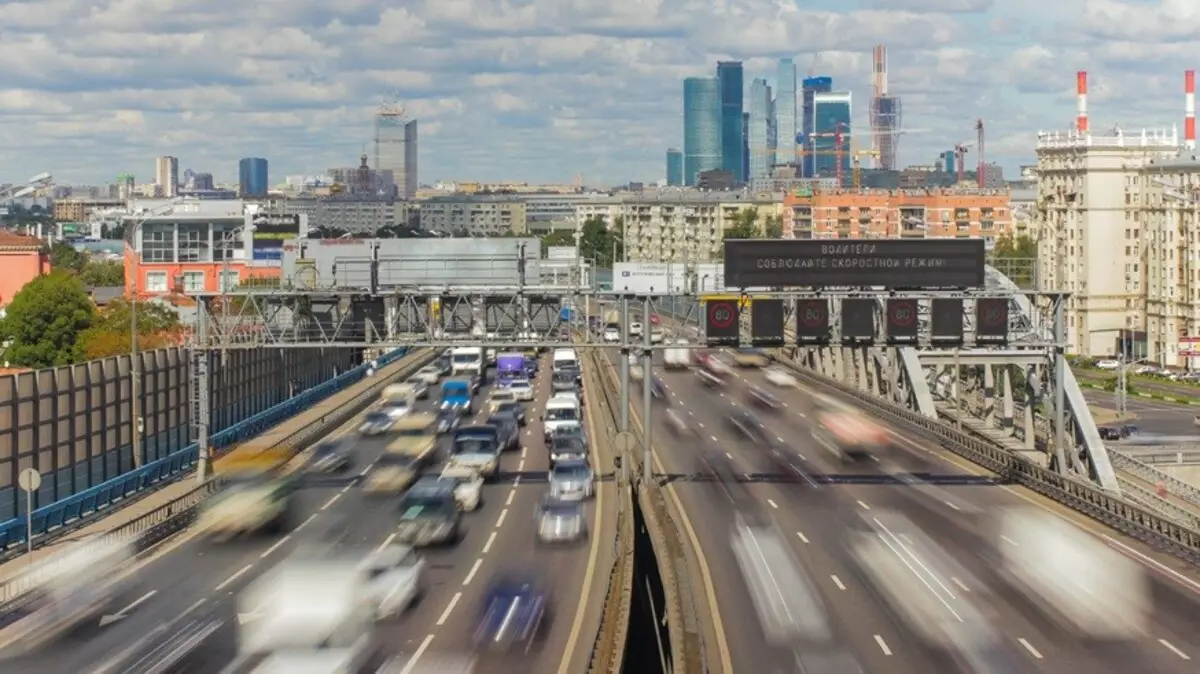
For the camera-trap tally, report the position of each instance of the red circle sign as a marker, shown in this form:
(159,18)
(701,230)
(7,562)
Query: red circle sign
(903,313)
(814,314)
(721,314)
(993,314)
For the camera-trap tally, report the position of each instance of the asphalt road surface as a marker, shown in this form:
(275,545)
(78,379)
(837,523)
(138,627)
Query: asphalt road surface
(949,506)
(192,579)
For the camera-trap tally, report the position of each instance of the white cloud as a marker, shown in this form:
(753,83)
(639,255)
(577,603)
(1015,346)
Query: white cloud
(543,89)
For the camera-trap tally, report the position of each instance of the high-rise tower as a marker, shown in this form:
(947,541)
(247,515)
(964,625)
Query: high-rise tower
(396,148)
(885,114)
(785,112)
(732,84)
(811,87)
(702,127)
(758,136)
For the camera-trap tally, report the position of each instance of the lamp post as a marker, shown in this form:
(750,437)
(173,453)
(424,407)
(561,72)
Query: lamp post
(134,371)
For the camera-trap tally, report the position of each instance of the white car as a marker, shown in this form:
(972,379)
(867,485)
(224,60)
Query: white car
(635,329)
(429,374)
(468,486)
(1108,364)
(521,389)
(612,335)
(777,376)
(656,336)
(394,578)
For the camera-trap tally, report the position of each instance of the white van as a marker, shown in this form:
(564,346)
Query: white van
(564,358)
(561,412)
(467,360)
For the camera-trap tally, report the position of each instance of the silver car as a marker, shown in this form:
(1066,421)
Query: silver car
(561,521)
(571,481)
(377,423)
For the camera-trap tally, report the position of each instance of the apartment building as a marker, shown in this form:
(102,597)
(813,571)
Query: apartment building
(685,225)
(80,210)
(1107,231)
(356,214)
(475,215)
(908,213)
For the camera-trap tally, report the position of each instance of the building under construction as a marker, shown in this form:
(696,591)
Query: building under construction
(396,148)
(885,114)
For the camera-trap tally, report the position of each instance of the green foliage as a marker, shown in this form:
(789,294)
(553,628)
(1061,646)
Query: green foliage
(44,321)
(103,273)
(64,257)
(109,335)
(559,237)
(745,225)
(774,227)
(599,242)
(1016,258)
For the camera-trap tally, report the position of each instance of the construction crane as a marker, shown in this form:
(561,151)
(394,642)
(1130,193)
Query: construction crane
(960,158)
(857,163)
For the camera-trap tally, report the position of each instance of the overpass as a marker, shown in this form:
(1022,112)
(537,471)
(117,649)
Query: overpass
(659,554)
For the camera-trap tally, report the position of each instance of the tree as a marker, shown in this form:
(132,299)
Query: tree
(559,237)
(774,227)
(1016,258)
(45,319)
(597,242)
(102,273)
(745,225)
(66,258)
(109,334)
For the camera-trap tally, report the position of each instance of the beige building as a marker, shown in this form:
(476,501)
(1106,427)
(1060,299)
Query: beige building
(1108,234)
(475,215)
(686,225)
(80,210)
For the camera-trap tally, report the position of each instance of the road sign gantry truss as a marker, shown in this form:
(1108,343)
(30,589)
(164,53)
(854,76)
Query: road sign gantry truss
(547,316)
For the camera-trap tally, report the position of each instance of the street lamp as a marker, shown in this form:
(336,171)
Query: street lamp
(134,373)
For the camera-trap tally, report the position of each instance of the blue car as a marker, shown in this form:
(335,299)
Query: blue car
(512,612)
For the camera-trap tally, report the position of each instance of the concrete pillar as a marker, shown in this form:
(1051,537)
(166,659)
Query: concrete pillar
(1006,401)
(860,361)
(1030,428)
(989,396)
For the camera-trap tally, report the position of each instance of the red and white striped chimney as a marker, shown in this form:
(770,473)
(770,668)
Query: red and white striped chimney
(1081,115)
(1189,109)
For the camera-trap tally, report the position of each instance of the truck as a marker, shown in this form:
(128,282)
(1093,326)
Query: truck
(457,394)
(467,360)
(510,366)
(414,436)
(677,357)
(308,615)
(845,432)
(258,496)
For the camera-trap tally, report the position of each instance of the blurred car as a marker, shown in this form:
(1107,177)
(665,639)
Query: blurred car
(763,399)
(331,457)
(376,423)
(397,407)
(572,480)
(512,612)
(750,358)
(515,409)
(709,380)
(781,377)
(419,386)
(448,421)
(467,485)
(611,335)
(567,448)
(428,516)
(561,521)
(521,389)
(714,365)
(749,427)
(572,429)
(430,374)
(391,474)
(507,430)
(500,396)
(676,423)
(393,579)
(658,389)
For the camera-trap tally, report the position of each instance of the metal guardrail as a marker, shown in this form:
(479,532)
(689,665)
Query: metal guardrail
(1152,475)
(68,514)
(1149,499)
(608,649)
(154,526)
(1154,530)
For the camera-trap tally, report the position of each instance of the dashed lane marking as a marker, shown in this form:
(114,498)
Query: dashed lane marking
(882,645)
(386,542)
(474,570)
(952,506)
(331,501)
(278,544)
(773,504)
(511,495)
(838,581)
(411,666)
(1171,647)
(232,579)
(802,537)
(500,520)
(961,585)
(1008,540)
(864,505)
(491,539)
(449,609)
(1029,647)
(367,469)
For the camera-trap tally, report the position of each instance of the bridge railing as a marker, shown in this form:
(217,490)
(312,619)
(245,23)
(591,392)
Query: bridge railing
(62,516)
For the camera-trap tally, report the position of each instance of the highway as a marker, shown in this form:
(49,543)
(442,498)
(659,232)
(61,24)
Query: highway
(190,578)
(816,516)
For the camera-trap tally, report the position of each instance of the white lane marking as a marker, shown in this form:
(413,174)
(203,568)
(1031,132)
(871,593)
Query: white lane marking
(701,425)
(727,454)
(1008,540)
(273,548)
(1029,647)
(1153,563)
(838,581)
(331,501)
(874,458)
(500,520)
(411,666)
(137,602)
(474,570)
(864,505)
(521,465)
(511,495)
(882,645)
(802,536)
(691,413)
(523,451)
(307,521)
(491,539)
(952,506)
(714,439)
(386,542)
(230,580)
(961,585)
(367,469)
(345,489)
(1171,647)
(773,504)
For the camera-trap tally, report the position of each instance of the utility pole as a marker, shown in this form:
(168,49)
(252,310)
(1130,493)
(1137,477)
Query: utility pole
(647,396)
(625,382)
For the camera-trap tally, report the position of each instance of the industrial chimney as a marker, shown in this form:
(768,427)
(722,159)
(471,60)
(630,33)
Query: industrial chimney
(1081,117)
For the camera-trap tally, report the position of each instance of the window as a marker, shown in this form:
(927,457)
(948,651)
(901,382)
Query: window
(156,281)
(229,281)
(193,242)
(193,281)
(158,242)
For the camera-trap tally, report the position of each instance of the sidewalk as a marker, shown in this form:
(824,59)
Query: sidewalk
(152,500)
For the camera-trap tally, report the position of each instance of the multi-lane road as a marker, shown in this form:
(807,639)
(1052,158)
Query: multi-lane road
(190,578)
(951,506)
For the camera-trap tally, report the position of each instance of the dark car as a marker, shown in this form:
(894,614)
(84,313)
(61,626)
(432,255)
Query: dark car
(448,420)
(762,399)
(428,516)
(331,457)
(513,408)
(564,380)
(567,448)
(508,430)
(749,427)
(709,379)
(512,612)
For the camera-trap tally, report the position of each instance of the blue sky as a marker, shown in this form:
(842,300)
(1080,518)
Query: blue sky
(543,90)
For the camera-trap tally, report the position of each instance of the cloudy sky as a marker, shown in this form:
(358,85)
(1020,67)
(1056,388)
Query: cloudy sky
(542,90)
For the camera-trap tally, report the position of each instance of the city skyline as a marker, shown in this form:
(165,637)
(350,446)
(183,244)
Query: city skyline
(508,94)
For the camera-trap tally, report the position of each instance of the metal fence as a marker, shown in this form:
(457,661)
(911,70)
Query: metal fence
(74,423)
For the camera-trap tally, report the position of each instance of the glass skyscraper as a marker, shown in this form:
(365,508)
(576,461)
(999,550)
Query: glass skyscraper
(729,74)
(812,87)
(785,112)
(759,132)
(252,177)
(831,115)
(674,168)
(701,127)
